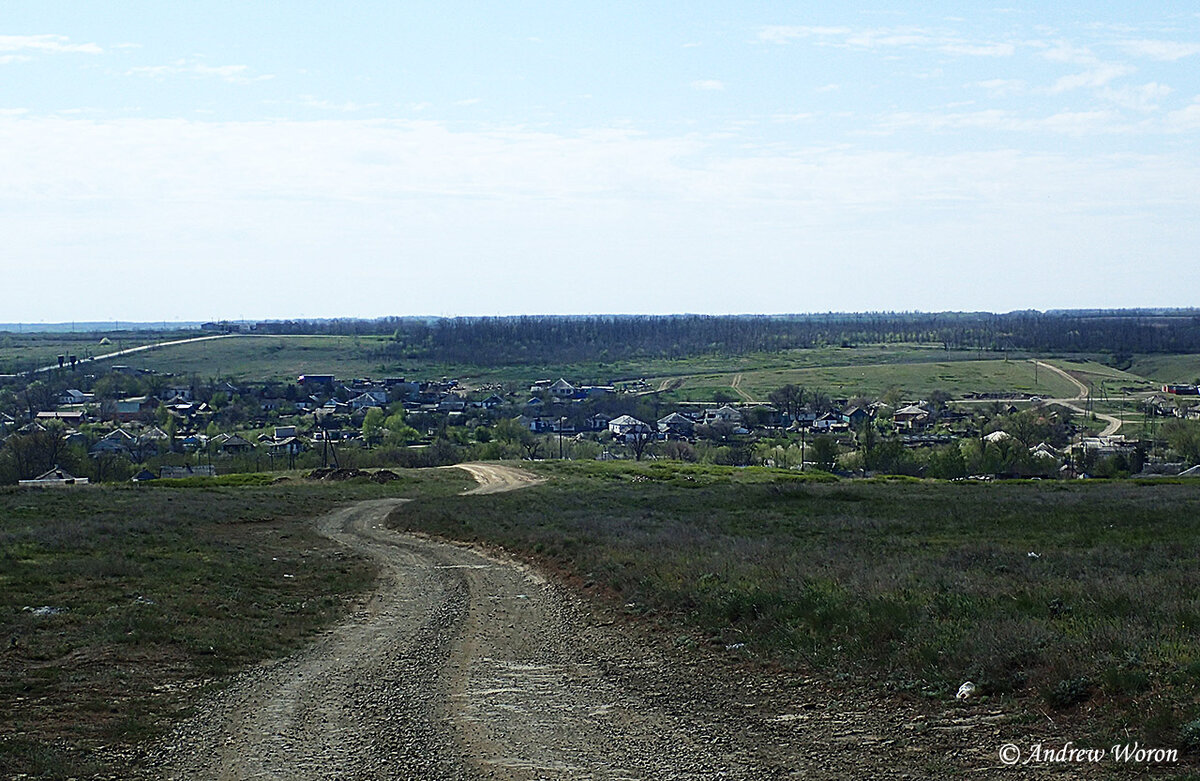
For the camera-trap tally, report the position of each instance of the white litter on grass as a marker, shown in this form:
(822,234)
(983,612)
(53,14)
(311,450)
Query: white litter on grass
(44,610)
(967,691)
(1033,555)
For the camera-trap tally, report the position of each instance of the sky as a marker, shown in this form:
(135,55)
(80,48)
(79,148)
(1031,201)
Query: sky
(201,160)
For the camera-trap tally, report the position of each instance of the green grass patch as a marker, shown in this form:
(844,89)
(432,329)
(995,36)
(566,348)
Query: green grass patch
(914,380)
(914,585)
(118,602)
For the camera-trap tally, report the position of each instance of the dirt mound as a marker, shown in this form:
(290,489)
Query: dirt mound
(384,476)
(326,473)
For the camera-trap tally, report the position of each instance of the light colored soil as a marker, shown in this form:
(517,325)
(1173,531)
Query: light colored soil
(464,664)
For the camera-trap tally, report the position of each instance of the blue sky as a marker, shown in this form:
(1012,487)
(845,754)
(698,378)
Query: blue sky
(191,160)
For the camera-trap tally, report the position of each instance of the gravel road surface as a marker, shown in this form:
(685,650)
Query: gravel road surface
(464,664)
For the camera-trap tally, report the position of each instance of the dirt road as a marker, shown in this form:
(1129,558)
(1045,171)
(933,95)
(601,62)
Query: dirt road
(467,665)
(1113,423)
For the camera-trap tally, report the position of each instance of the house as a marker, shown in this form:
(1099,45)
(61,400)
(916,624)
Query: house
(56,476)
(153,439)
(676,425)
(534,403)
(194,442)
(996,437)
(71,418)
(452,403)
(1045,452)
(287,445)
(830,421)
(491,402)
(562,389)
(534,424)
(855,416)
(311,381)
(232,443)
(725,414)
(1181,390)
(129,409)
(1107,446)
(144,476)
(368,399)
(180,392)
(910,417)
(597,422)
(283,432)
(112,447)
(802,419)
(75,396)
(627,426)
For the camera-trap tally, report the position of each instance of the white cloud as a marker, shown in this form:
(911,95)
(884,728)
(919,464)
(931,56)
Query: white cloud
(787,33)
(1070,123)
(1000,87)
(709,85)
(888,37)
(1146,97)
(1186,119)
(46,44)
(234,74)
(6,59)
(1094,78)
(1065,51)
(979,50)
(246,200)
(1166,51)
(310,101)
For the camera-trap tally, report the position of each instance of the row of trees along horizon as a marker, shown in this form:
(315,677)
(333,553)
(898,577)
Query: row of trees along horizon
(544,339)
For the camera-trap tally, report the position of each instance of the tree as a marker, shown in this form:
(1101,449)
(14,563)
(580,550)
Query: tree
(789,399)
(824,452)
(38,451)
(724,396)
(639,440)
(938,399)
(1184,438)
(372,426)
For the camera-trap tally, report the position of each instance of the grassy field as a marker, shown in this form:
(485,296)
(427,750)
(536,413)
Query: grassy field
(914,380)
(23,352)
(1103,378)
(118,605)
(1163,369)
(1078,598)
(283,358)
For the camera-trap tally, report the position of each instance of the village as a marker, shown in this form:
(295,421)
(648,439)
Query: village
(136,424)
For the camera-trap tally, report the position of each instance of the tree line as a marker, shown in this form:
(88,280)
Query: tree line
(537,339)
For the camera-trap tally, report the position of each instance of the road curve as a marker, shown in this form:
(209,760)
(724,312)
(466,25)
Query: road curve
(464,664)
(1113,423)
(459,665)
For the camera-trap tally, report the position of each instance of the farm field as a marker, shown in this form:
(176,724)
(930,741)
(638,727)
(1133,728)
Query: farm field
(913,380)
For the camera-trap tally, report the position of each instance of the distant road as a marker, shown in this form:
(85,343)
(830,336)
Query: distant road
(156,345)
(142,348)
(1114,423)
